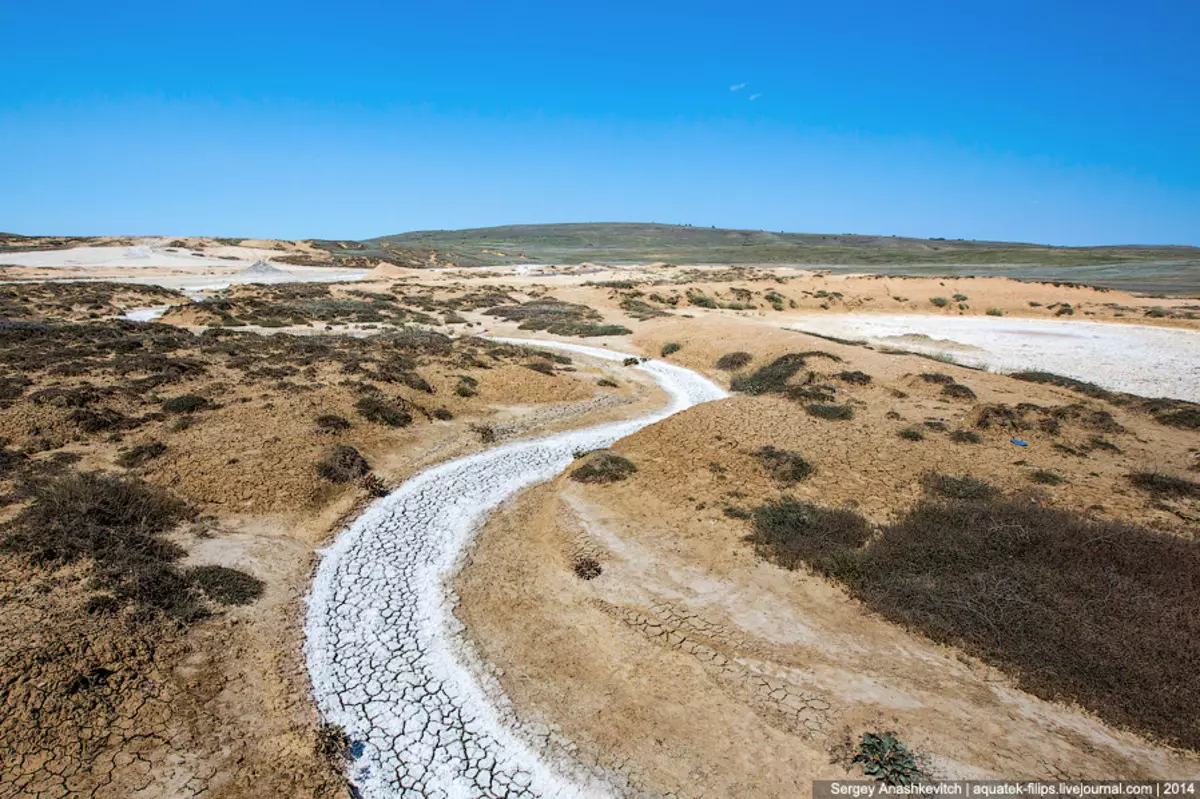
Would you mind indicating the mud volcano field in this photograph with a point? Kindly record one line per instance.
(606, 529)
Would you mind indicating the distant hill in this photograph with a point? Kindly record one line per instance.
(1145, 268)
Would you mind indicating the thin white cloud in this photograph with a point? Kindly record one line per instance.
(737, 87)
(754, 97)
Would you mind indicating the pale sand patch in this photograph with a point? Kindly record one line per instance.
(1143, 360)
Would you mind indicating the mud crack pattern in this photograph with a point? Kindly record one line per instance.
(380, 646)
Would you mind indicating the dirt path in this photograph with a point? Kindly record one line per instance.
(385, 659)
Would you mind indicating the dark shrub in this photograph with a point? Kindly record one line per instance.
(586, 568)
(937, 378)
(603, 466)
(226, 586)
(884, 758)
(911, 434)
(668, 349)
(857, 378)
(187, 403)
(771, 377)
(544, 367)
(606, 383)
(1187, 418)
(1046, 477)
(332, 423)
(393, 413)
(958, 391)
(467, 386)
(1102, 612)
(784, 466)
(953, 487)
(732, 361)
(416, 382)
(141, 454)
(790, 533)
(833, 412)
(486, 432)
(1088, 389)
(810, 392)
(965, 437)
(117, 524)
(443, 414)
(343, 464)
(940, 302)
(1164, 485)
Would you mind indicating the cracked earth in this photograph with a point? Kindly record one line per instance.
(382, 646)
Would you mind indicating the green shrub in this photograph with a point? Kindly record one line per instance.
(1065, 310)
(343, 464)
(188, 403)
(911, 434)
(603, 466)
(995, 312)
(784, 466)
(830, 412)
(961, 298)
(443, 414)
(467, 386)
(607, 383)
(940, 302)
(668, 349)
(965, 437)
(887, 760)
(226, 586)
(937, 378)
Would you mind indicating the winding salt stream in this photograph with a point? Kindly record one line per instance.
(380, 643)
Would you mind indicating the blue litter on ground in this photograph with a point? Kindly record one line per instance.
(1019, 442)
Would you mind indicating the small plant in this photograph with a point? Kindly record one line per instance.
(954, 487)
(1164, 485)
(443, 414)
(188, 403)
(631, 362)
(603, 466)
(226, 586)
(886, 759)
(940, 302)
(381, 411)
(911, 434)
(1065, 310)
(857, 378)
(965, 437)
(586, 568)
(606, 383)
(486, 432)
(1046, 477)
(958, 391)
(343, 464)
(830, 412)
(995, 312)
(732, 361)
(1034, 304)
(734, 512)
(467, 386)
(961, 298)
(332, 423)
(141, 454)
(670, 348)
(937, 378)
(784, 466)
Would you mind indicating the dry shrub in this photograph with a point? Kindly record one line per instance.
(856, 377)
(955, 487)
(603, 466)
(784, 466)
(958, 391)
(393, 413)
(343, 464)
(226, 586)
(732, 361)
(1164, 485)
(1101, 612)
(141, 454)
(830, 412)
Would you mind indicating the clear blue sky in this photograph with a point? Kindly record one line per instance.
(1059, 122)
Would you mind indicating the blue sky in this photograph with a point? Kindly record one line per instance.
(1058, 122)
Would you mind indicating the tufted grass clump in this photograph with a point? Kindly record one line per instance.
(1046, 477)
(965, 437)
(732, 361)
(940, 302)
(332, 423)
(602, 466)
(670, 348)
(141, 454)
(911, 434)
(187, 403)
(343, 464)
(392, 413)
(958, 487)
(1164, 485)
(856, 378)
(226, 586)
(784, 466)
(830, 412)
